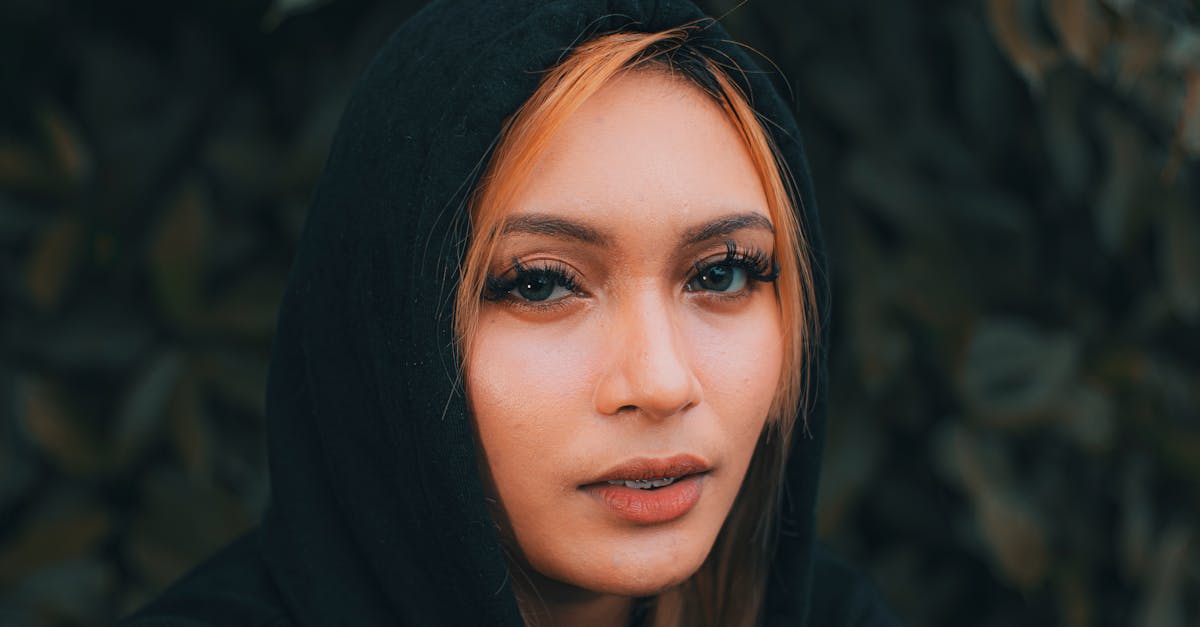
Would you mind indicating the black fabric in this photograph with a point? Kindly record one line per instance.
(377, 514)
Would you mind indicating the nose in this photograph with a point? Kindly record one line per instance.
(649, 370)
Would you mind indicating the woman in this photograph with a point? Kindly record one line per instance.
(544, 352)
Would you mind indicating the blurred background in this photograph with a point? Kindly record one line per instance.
(1011, 191)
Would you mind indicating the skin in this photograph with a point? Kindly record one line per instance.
(637, 362)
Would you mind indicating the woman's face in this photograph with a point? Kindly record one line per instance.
(629, 333)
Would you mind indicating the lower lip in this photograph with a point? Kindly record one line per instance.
(650, 507)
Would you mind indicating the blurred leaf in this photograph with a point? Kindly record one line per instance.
(1181, 256)
(1122, 181)
(67, 592)
(1141, 49)
(182, 522)
(1088, 418)
(17, 464)
(51, 427)
(1083, 31)
(854, 451)
(1164, 603)
(237, 377)
(1012, 370)
(1136, 518)
(21, 166)
(1010, 23)
(52, 261)
(894, 191)
(280, 10)
(190, 432)
(848, 94)
(56, 532)
(1187, 137)
(249, 306)
(70, 155)
(177, 250)
(143, 409)
(103, 337)
(18, 222)
(1015, 535)
(1013, 532)
(1070, 149)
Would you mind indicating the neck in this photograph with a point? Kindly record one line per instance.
(548, 603)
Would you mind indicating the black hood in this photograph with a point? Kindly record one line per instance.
(377, 513)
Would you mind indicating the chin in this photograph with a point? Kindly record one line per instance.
(633, 563)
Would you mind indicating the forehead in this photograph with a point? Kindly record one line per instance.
(647, 152)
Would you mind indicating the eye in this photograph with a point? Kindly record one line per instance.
(540, 286)
(535, 286)
(733, 274)
(720, 277)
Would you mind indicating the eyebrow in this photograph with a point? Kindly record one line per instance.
(537, 224)
(554, 226)
(725, 225)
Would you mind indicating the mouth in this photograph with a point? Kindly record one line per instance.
(651, 491)
(645, 473)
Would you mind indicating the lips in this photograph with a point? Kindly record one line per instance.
(648, 491)
(649, 469)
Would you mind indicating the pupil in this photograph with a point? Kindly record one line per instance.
(718, 278)
(536, 288)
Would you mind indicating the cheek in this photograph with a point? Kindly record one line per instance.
(738, 360)
(527, 389)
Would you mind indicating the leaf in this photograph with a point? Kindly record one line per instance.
(1012, 370)
(1163, 605)
(183, 522)
(1180, 256)
(50, 426)
(1069, 147)
(280, 10)
(855, 450)
(1009, 24)
(52, 533)
(1187, 137)
(68, 591)
(237, 377)
(51, 263)
(177, 250)
(1088, 418)
(143, 408)
(71, 156)
(893, 191)
(1015, 535)
(190, 433)
(1137, 524)
(106, 337)
(21, 167)
(1119, 188)
(1083, 32)
(1012, 530)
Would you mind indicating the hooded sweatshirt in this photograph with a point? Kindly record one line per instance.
(377, 513)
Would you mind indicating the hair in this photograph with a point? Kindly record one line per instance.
(729, 587)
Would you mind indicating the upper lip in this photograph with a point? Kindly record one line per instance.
(644, 468)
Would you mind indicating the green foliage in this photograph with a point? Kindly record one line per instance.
(1009, 188)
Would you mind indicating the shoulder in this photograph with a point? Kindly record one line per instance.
(843, 595)
(230, 589)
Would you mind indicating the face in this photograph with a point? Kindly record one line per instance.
(629, 342)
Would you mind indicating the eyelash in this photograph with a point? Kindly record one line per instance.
(557, 273)
(758, 266)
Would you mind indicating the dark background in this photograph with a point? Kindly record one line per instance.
(1010, 189)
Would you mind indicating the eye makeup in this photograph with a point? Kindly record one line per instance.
(544, 285)
(742, 267)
